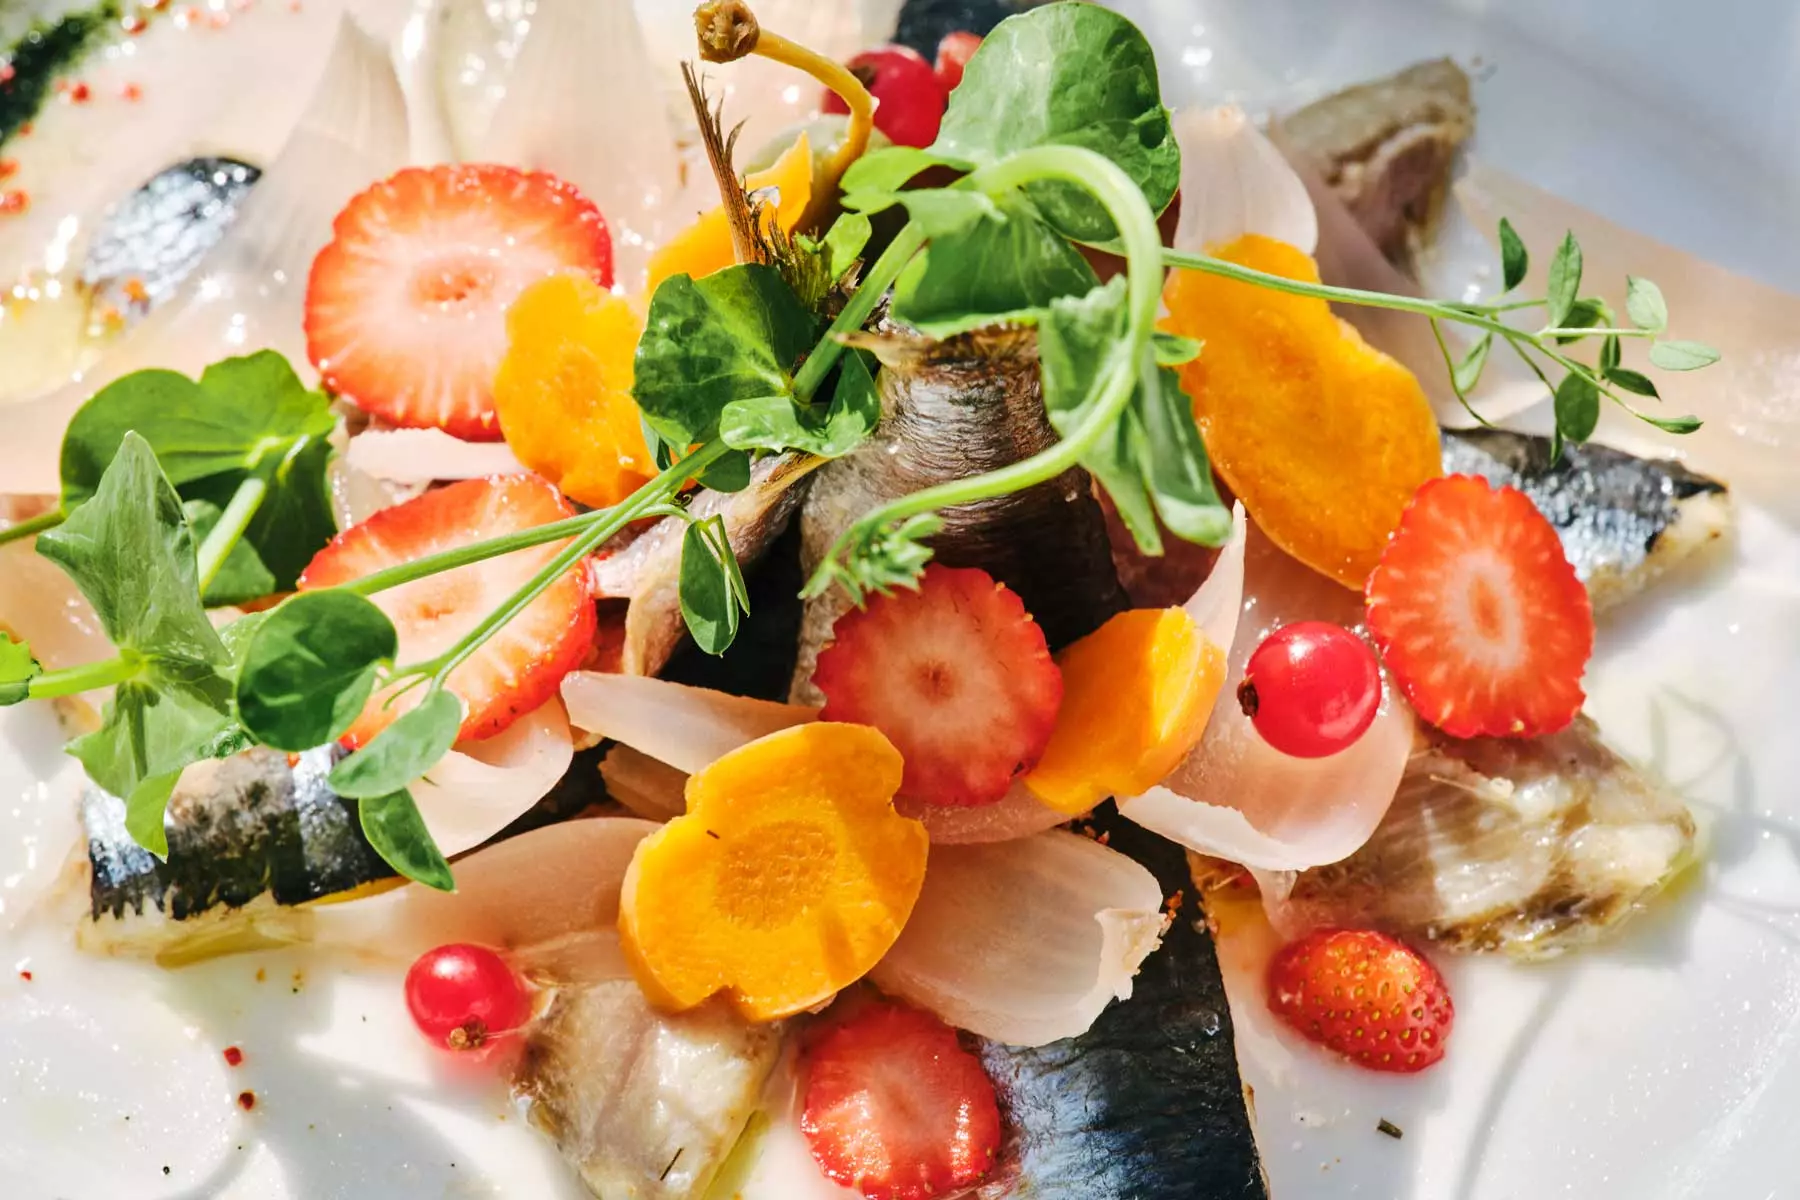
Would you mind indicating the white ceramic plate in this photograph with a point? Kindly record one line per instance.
(1664, 1066)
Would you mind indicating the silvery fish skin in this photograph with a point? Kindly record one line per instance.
(253, 839)
(1623, 520)
(951, 409)
(1147, 1104)
(1531, 847)
(250, 837)
(1385, 147)
(645, 1105)
(648, 570)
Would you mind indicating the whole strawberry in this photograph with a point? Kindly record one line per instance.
(1371, 998)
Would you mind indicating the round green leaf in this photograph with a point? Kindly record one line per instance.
(403, 751)
(309, 668)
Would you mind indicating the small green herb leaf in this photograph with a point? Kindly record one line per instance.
(144, 812)
(402, 752)
(993, 269)
(1609, 353)
(845, 240)
(1683, 356)
(1674, 424)
(243, 575)
(1514, 262)
(1468, 372)
(1645, 305)
(731, 335)
(397, 832)
(879, 558)
(776, 423)
(17, 669)
(1065, 74)
(1632, 381)
(1585, 313)
(1577, 407)
(1172, 350)
(309, 667)
(1180, 477)
(1563, 284)
(710, 603)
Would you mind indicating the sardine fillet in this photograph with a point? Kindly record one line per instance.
(645, 1105)
(1623, 520)
(1528, 846)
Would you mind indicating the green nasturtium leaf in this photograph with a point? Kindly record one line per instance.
(1000, 267)
(732, 335)
(243, 575)
(1180, 476)
(402, 752)
(890, 168)
(130, 551)
(1062, 74)
(938, 212)
(309, 667)
(776, 423)
(243, 416)
(17, 669)
(730, 473)
(395, 829)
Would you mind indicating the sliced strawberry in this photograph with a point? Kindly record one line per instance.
(406, 307)
(1369, 997)
(523, 663)
(896, 1108)
(1478, 613)
(957, 676)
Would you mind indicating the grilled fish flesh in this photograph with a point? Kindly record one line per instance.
(951, 409)
(645, 1105)
(1531, 847)
(1385, 147)
(1623, 520)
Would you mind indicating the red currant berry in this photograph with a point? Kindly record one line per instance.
(954, 53)
(909, 96)
(462, 997)
(1311, 688)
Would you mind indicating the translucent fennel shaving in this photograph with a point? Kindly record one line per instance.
(1237, 798)
(550, 898)
(249, 293)
(1024, 942)
(426, 456)
(583, 100)
(480, 788)
(1234, 181)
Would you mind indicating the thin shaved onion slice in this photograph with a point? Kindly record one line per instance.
(1236, 798)
(249, 292)
(1025, 942)
(480, 788)
(1234, 181)
(1017, 814)
(686, 727)
(652, 790)
(414, 456)
(581, 58)
(549, 898)
(1215, 605)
